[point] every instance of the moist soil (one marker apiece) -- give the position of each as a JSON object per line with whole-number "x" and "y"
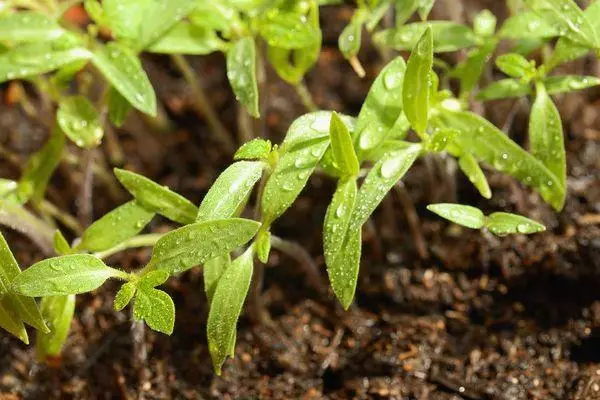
{"x": 440, "y": 312}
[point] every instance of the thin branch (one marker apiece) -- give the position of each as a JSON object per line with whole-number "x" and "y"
{"x": 147, "y": 240}
{"x": 414, "y": 222}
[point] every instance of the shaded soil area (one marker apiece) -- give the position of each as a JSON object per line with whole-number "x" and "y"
{"x": 459, "y": 315}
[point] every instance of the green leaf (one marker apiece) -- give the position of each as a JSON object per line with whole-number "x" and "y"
{"x": 567, "y": 49}
{"x": 469, "y": 71}
{"x": 58, "y": 311}
{"x": 79, "y": 120}
{"x": 287, "y": 30}
{"x": 185, "y": 38}
{"x": 546, "y": 139}
{"x": 335, "y": 236}
{"x": 230, "y": 191}
{"x": 10, "y": 322}
{"x": 7, "y": 187}
{"x": 527, "y": 25}
{"x": 153, "y": 278}
{"x": 255, "y": 149}
{"x": 197, "y": 243}
{"x": 226, "y": 307}
{"x": 156, "y": 308}
{"x": 515, "y": 65}
{"x": 374, "y": 17}
{"x": 468, "y": 216}
{"x": 22, "y": 309}
{"x": 212, "y": 271}
{"x": 404, "y": 9}
{"x": 157, "y": 198}
{"x": 124, "y": 71}
{"x": 441, "y": 139}
{"x": 502, "y": 224}
{"x": 469, "y": 165}
{"x": 341, "y": 145}
{"x": 124, "y": 295}
{"x": 350, "y": 38}
{"x": 380, "y": 179}
{"x": 118, "y": 107}
{"x": 568, "y": 18}
{"x": 304, "y": 145}
{"x": 241, "y": 72}
{"x": 382, "y": 107}
{"x": 61, "y": 246}
{"x": 503, "y": 89}
{"x": 40, "y": 167}
{"x": 123, "y": 18}
{"x": 161, "y": 17}
{"x": 424, "y": 8}
{"x": 38, "y": 58}
{"x": 263, "y": 246}
{"x": 569, "y": 83}
{"x": 488, "y": 144}
{"x": 70, "y": 274}
{"x": 215, "y": 16}
{"x": 343, "y": 270}
{"x": 292, "y": 64}
{"x": 447, "y": 36}
{"x": 115, "y": 227}
{"x": 415, "y": 92}
{"x": 28, "y": 26}
{"x": 484, "y": 23}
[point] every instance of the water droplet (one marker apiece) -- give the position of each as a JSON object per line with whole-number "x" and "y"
{"x": 392, "y": 79}
{"x": 340, "y": 211}
{"x": 523, "y": 228}
{"x": 390, "y": 167}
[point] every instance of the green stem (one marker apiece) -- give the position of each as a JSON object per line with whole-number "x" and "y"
{"x": 305, "y": 96}
{"x": 134, "y": 242}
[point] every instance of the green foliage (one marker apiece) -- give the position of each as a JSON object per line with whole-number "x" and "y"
{"x": 63, "y": 275}
{"x": 367, "y": 155}
{"x": 58, "y": 311}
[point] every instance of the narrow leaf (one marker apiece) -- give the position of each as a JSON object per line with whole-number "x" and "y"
{"x": 58, "y": 311}
{"x": 124, "y": 296}
{"x": 226, "y": 307}
{"x": 124, "y": 18}
{"x": 502, "y": 224}
{"x": 161, "y": 17}
{"x": 79, "y": 120}
{"x": 503, "y": 89}
{"x": 115, "y": 227}
{"x": 197, "y": 243}
{"x": 382, "y": 107}
{"x": 70, "y": 274}
{"x": 527, "y": 25}
{"x": 341, "y": 145}
{"x": 447, "y": 36}
{"x": 263, "y": 246}
{"x": 488, "y": 144}
{"x": 185, "y": 38}
{"x": 415, "y": 92}
{"x": 22, "y": 309}
{"x": 255, "y": 149}
{"x": 569, "y": 83}
{"x": 568, "y": 17}
{"x": 10, "y": 322}
{"x": 124, "y": 71}
{"x": 350, "y": 38}
{"x": 515, "y": 65}
{"x": 546, "y": 137}
{"x": 61, "y": 246}
{"x": 241, "y": 72}
{"x": 468, "y": 216}
{"x": 153, "y": 278}
{"x": 212, "y": 271}
{"x": 156, "y": 308}
{"x": 343, "y": 270}
{"x": 118, "y": 107}
{"x": 157, "y": 198}
{"x": 28, "y": 26}
{"x": 469, "y": 165}
{"x": 230, "y": 191}
{"x": 484, "y": 23}
{"x": 288, "y": 30}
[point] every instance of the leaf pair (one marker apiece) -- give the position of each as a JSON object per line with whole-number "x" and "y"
{"x": 499, "y": 223}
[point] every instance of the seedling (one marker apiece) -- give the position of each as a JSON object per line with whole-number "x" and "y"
{"x": 367, "y": 155}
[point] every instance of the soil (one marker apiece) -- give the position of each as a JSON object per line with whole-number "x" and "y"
{"x": 464, "y": 316}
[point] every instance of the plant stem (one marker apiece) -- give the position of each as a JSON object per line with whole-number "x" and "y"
{"x": 202, "y": 104}
{"x": 16, "y": 217}
{"x": 146, "y": 240}
{"x": 84, "y": 211}
{"x": 305, "y": 96}
{"x": 46, "y": 207}
{"x": 413, "y": 219}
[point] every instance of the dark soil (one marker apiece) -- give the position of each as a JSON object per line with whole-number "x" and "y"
{"x": 466, "y": 316}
